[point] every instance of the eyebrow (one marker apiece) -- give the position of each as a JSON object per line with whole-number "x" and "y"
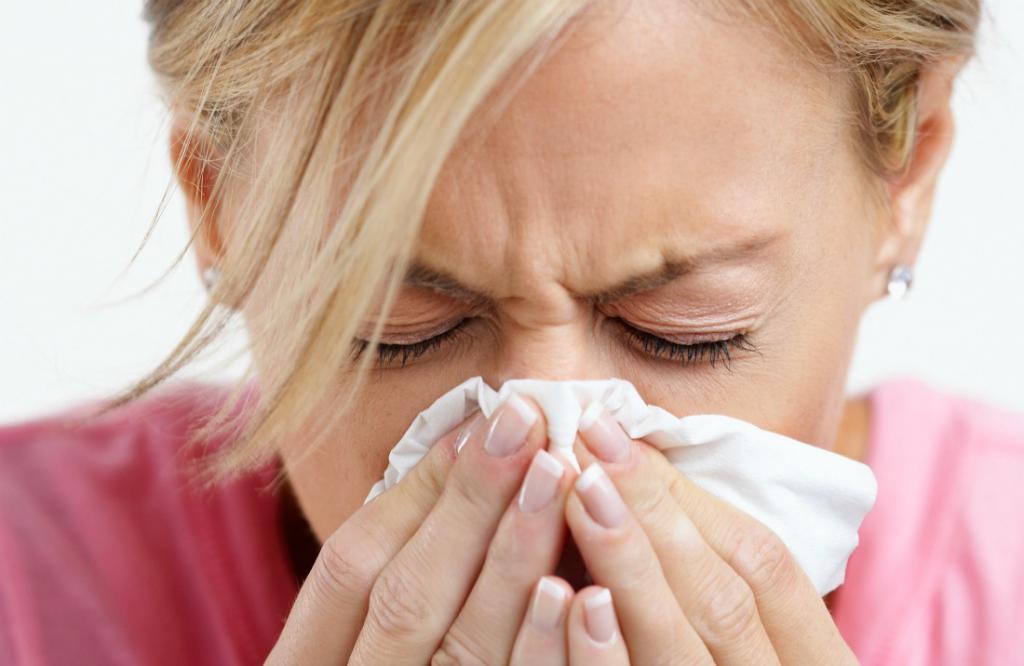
{"x": 421, "y": 275}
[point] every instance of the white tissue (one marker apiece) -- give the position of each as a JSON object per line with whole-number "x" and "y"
{"x": 812, "y": 498}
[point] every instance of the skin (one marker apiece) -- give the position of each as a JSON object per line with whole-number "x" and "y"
{"x": 530, "y": 216}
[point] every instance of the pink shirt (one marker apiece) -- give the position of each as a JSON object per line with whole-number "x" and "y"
{"x": 108, "y": 557}
{"x": 938, "y": 577}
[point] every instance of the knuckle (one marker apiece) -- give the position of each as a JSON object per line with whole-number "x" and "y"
{"x": 619, "y": 548}
{"x": 649, "y": 503}
{"x": 678, "y": 491}
{"x": 516, "y": 551}
{"x": 428, "y": 476}
{"x": 344, "y": 570}
{"x": 453, "y": 651}
{"x": 678, "y": 655}
{"x": 674, "y": 651}
{"x": 731, "y": 612}
{"x": 763, "y": 560}
{"x": 504, "y": 554}
{"x": 672, "y": 514}
{"x": 662, "y": 502}
{"x": 696, "y": 658}
{"x": 470, "y": 499}
{"x": 396, "y": 606}
{"x": 676, "y": 487}
{"x": 465, "y": 491}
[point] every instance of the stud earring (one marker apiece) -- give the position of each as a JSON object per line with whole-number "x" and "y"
{"x": 210, "y": 277}
{"x": 900, "y": 279}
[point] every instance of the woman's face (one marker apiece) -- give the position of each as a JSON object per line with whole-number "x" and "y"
{"x": 663, "y": 177}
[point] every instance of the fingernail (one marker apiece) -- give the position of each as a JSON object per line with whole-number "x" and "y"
{"x": 509, "y": 427}
{"x": 548, "y": 605}
{"x": 464, "y": 435}
{"x": 600, "y": 497}
{"x": 541, "y": 482}
{"x": 603, "y": 434}
{"x": 599, "y": 616}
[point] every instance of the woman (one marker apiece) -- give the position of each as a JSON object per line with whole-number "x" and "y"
{"x": 699, "y": 197}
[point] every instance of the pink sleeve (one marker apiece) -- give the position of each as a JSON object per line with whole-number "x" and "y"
{"x": 939, "y": 575}
{"x": 109, "y": 556}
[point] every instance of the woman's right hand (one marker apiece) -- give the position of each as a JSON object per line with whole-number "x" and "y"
{"x": 440, "y": 567}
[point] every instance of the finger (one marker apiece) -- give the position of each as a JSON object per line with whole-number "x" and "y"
{"x": 593, "y": 634}
{"x": 328, "y": 611}
{"x": 542, "y": 636}
{"x": 715, "y": 599}
{"x": 526, "y": 546}
{"x": 419, "y": 592}
{"x": 620, "y": 557}
{"x": 795, "y": 618}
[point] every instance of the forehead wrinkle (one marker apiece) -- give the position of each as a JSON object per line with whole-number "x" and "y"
{"x": 674, "y": 267}
{"x": 582, "y": 162}
{"x": 677, "y": 266}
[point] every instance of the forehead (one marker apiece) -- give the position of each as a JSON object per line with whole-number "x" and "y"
{"x": 654, "y": 126}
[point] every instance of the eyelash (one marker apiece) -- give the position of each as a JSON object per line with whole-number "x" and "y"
{"x": 388, "y": 353}
{"x": 687, "y": 354}
{"x": 650, "y": 344}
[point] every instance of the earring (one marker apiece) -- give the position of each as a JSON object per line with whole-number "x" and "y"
{"x": 210, "y": 277}
{"x": 900, "y": 279}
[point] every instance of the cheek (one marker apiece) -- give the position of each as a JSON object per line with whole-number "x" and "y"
{"x": 813, "y": 342}
{"x": 796, "y": 386}
{"x": 332, "y": 482}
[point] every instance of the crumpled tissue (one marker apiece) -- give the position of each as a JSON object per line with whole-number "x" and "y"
{"x": 812, "y": 498}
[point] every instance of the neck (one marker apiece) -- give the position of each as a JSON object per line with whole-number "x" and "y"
{"x": 854, "y": 429}
{"x": 301, "y": 544}
{"x": 852, "y": 441}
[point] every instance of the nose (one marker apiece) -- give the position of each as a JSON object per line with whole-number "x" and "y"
{"x": 565, "y": 350}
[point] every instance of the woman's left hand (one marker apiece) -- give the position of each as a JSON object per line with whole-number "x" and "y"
{"x": 693, "y": 579}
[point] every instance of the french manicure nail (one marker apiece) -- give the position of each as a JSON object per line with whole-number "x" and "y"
{"x": 509, "y": 427}
{"x": 600, "y": 498}
{"x": 548, "y": 604}
{"x": 541, "y": 482}
{"x": 603, "y": 435}
{"x": 600, "y": 617}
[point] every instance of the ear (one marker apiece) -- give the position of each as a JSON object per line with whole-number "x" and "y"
{"x": 911, "y": 194}
{"x": 196, "y": 164}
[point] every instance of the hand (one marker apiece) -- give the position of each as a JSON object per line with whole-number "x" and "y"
{"x": 694, "y": 580}
{"x": 439, "y": 567}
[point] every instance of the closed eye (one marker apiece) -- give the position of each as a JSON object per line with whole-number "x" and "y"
{"x": 710, "y": 351}
{"x": 653, "y": 346}
{"x": 389, "y": 354}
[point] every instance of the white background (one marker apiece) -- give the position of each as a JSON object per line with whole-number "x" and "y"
{"x": 83, "y": 164}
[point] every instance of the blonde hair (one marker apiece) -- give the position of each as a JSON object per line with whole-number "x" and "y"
{"x": 374, "y": 94}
